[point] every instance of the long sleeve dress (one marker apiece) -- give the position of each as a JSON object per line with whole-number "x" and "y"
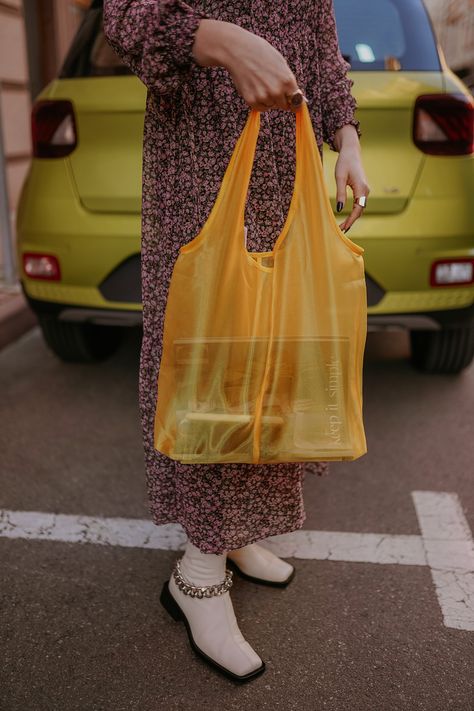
{"x": 194, "y": 116}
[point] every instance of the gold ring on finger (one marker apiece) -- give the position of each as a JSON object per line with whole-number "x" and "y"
{"x": 296, "y": 99}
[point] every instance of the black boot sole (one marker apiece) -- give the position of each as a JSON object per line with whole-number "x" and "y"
{"x": 174, "y": 610}
{"x": 274, "y": 584}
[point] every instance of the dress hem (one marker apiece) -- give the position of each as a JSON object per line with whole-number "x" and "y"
{"x": 206, "y": 547}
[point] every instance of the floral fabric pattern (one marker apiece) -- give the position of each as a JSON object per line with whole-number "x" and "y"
{"x": 193, "y": 119}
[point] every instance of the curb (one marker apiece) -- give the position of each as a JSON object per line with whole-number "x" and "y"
{"x": 16, "y": 318}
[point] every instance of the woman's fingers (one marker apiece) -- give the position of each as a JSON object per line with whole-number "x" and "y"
{"x": 267, "y": 102}
{"x": 357, "y": 210}
{"x": 263, "y": 98}
{"x": 349, "y": 171}
{"x": 341, "y": 189}
{"x": 260, "y": 72}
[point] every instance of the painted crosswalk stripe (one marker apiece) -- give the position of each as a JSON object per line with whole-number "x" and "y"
{"x": 445, "y": 544}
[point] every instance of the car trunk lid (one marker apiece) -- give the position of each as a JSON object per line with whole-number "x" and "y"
{"x": 107, "y": 162}
{"x": 391, "y": 161}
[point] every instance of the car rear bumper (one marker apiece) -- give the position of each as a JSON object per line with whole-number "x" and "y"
{"x": 99, "y": 256}
{"x": 427, "y": 321}
{"x": 420, "y": 321}
{"x": 85, "y": 314}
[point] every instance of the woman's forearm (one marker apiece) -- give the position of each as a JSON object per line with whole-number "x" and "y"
{"x": 213, "y": 42}
{"x": 260, "y": 73}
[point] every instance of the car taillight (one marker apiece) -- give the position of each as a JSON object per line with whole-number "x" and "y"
{"x": 443, "y": 124}
{"x": 53, "y": 128}
{"x": 452, "y": 272}
{"x": 41, "y": 266}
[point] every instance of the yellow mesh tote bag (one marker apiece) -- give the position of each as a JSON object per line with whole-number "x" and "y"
{"x": 263, "y": 352}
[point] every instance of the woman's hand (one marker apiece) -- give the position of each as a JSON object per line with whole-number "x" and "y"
{"x": 349, "y": 171}
{"x": 260, "y": 73}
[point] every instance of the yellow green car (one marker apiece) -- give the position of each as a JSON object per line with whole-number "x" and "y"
{"x": 79, "y": 213}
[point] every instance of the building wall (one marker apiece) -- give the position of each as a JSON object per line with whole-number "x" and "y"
{"x": 34, "y": 38}
{"x": 453, "y": 21}
{"x": 66, "y": 17}
{"x": 56, "y": 22}
{"x": 14, "y": 95}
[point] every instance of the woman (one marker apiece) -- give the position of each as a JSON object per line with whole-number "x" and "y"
{"x": 204, "y": 64}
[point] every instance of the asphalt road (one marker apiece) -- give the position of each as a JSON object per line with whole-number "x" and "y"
{"x": 81, "y": 627}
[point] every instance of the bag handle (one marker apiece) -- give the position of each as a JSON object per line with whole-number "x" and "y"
{"x": 237, "y": 177}
{"x": 232, "y": 196}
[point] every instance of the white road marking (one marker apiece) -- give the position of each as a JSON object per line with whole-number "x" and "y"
{"x": 349, "y": 547}
{"x": 445, "y": 544}
{"x": 125, "y": 532}
{"x": 142, "y": 533}
{"x": 449, "y": 549}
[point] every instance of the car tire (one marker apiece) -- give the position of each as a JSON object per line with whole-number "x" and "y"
{"x": 79, "y": 342}
{"x": 448, "y": 351}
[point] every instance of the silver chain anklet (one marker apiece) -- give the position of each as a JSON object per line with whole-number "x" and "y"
{"x": 202, "y": 591}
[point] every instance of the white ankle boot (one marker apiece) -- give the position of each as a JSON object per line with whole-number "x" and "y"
{"x": 260, "y": 565}
{"x": 210, "y": 620}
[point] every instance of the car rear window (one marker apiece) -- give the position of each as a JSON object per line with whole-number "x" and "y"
{"x": 90, "y": 54}
{"x": 373, "y": 36}
{"x": 388, "y": 35}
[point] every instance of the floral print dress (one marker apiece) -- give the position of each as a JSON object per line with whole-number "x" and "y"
{"x": 193, "y": 119}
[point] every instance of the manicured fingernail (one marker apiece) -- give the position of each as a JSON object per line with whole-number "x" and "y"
{"x": 339, "y": 206}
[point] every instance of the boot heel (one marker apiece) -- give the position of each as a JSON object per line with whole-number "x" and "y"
{"x": 170, "y": 604}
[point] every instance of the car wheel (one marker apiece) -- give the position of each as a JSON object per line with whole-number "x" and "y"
{"x": 447, "y": 351}
{"x": 79, "y": 342}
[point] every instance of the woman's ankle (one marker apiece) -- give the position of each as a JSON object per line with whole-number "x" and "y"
{"x": 202, "y": 568}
